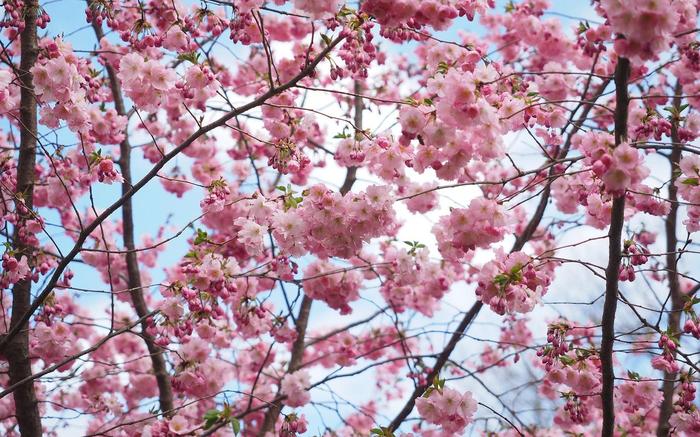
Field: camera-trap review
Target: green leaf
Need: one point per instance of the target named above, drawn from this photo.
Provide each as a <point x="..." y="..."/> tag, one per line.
<point x="235" y="425"/>
<point x="567" y="361"/>
<point x="691" y="181"/>
<point x="500" y="279"/>
<point x="633" y="375"/>
<point x="201" y="237"/>
<point x="326" y="39"/>
<point x="192" y="57"/>
<point x="210" y="418"/>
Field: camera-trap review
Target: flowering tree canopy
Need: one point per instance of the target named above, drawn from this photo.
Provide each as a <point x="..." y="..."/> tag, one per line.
<point x="327" y="218"/>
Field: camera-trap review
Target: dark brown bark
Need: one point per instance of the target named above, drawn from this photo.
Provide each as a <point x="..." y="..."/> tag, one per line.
<point x="17" y="350"/>
<point x="160" y="369"/>
<point x="674" y="289"/>
<point x="617" y="219"/>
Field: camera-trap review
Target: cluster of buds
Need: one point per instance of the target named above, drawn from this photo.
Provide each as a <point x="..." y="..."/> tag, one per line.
<point x="293" y="425"/>
<point x="107" y="173"/>
<point x="635" y="255"/>
<point x="98" y="11"/>
<point x="686" y="394"/>
<point x="284" y="268"/>
<point x="216" y="199"/>
<point x="142" y="35"/>
<point x="287" y="158"/>
<point x="666" y="361"/>
<point x="239" y="27"/>
<point x="14" y="16"/>
<point x="577" y="410"/>
<point x="13" y="270"/>
<point x="204" y="19"/>
<point x="357" y="51"/>
<point x="692" y="323"/>
<point x="50" y="310"/>
<point x="653" y="126"/>
<point x="692" y="327"/>
<point x="557" y="345"/>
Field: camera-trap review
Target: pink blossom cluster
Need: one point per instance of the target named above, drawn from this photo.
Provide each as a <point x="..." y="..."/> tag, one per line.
<point x="295" y="387"/>
<point x="319" y="9"/>
<point x="640" y="394"/>
<point x="332" y="284"/>
<point x="329" y="224"/>
<point x="218" y="194"/>
<point x="645" y="27"/>
<point x="481" y="224"/>
<point x="59" y="81"/>
<point x="351" y="152"/>
<point x="619" y="167"/>
<point x="387" y="158"/>
<point x="413" y="280"/>
<point x="448" y="408"/>
<point x="635" y="255"/>
<point x="512" y="283"/>
<point x="435" y="13"/>
<point x="146" y="81"/>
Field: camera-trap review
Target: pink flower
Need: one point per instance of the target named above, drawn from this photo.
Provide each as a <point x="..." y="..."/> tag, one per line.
<point x="178" y="424"/>
<point x="482" y="223"/>
<point x="251" y="235"/>
<point x="107" y="173"/>
<point x="318" y="8"/>
<point x="448" y="408"/>
<point x="412" y="120"/>
<point x="14" y="269"/>
<point x="294" y="386"/>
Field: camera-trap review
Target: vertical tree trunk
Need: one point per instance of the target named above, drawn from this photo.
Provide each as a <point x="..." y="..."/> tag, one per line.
<point x="674" y="290"/>
<point x="160" y="370"/>
<point x="617" y="219"/>
<point x="17" y="349"/>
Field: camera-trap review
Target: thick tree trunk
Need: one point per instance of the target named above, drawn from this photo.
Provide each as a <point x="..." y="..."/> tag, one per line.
<point x="617" y="219"/>
<point x="17" y="349"/>
<point x="674" y="289"/>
